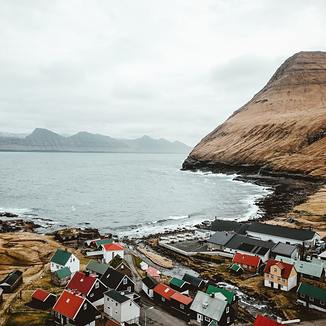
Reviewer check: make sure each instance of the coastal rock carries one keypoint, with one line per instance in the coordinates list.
(280, 130)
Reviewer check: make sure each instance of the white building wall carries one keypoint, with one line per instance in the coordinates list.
(130, 312)
(109, 255)
(148, 291)
(111, 309)
(73, 264)
(292, 282)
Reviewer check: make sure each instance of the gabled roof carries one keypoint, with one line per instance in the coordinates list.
(41, 295)
(236, 268)
(95, 267)
(177, 282)
(281, 231)
(61, 257)
(193, 280)
(304, 267)
(68, 304)
(11, 278)
(63, 273)
(286, 269)
(164, 291)
(228, 294)
(153, 272)
(212, 307)
(265, 321)
(220, 237)
(283, 249)
(244, 259)
(225, 225)
(184, 299)
(149, 282)
(103, 241)
(113, 247)
(112, 278)
(312, 291)
(116, 296)
(81, 283)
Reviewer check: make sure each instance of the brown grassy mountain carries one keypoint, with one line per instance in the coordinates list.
(282, 128)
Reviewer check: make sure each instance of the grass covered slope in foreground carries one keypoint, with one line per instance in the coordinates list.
(282, 128)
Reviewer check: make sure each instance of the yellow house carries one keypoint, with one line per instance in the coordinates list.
(279, 275)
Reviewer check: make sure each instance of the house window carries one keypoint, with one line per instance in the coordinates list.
(322, 303)
(275, 270)
(228, 320)
(125, 281)
(97, 285)
(163, 299)
(182, 306)
(85, 306)
(91, 295)
(302, 295)
(311, 299)
(227, 310)
(207, 319)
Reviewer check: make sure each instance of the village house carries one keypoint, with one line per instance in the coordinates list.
(311, 297)
(218, 240)
(61, 277)
(306, 268)
(12, 281)
(153, 273)
(236, 269)
(196, 283)
(112, 250)
(229, 295)
(247, 262)
(100, 242)
(143, 266)
(89, 287)
(115, 280)
(247, 245)
(277, 233)
(64, 258)
(179, 285)
(148, 285)
(181, 303)
(280, 275)
(42, 299)
(209, 309)
(285, 250)
(163, 293)
(74, 309)
(121, 308)
(122, 268)
(95, 268)
(229, 226)
(265, 321)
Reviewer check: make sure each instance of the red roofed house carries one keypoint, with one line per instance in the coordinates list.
(89, 287)
(153, 273)
(264, 321)
(74, 309)
(42, 299)
(280, 275)
(163, 293)
(247, 262)
(110, 250)
(181, 303)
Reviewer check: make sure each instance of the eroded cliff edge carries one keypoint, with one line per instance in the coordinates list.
(282, 129)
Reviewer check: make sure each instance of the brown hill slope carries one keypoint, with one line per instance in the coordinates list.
(282, 128)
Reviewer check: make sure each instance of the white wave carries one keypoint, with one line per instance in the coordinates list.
(177, 217)
(18, 211)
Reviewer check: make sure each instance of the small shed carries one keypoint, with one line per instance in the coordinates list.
(153, 273)
(61, 277)
(12, 281)
(42, 299)
(236, 269)
(179, 285)
(181, 303)
(148, 284)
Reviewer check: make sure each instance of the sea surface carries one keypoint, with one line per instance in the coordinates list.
(128, 194)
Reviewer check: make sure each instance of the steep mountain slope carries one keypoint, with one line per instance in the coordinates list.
(282, 128)
(47, 140)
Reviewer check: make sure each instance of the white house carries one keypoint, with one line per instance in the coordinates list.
(121, 308)
(148, 284)
(63, 258)
(276, 233)
(111, 250)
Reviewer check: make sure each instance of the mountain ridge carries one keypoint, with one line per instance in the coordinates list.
(42, 139)
(281, 129)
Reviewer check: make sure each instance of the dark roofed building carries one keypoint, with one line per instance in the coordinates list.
(196, 283)
(148, 284)
(312, 297)
(117, 281)
(277, 233)
(245, 244)
(12, 281)
(42, 299)
(285, 250)
(94, 267)
(229, 226)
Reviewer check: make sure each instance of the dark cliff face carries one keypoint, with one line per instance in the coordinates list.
(282, 128)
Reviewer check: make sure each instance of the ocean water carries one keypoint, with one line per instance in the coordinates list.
(128, 194)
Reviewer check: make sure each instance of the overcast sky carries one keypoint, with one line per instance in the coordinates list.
(166, 68)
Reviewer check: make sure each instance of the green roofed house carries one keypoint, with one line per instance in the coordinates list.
(94, 267)
(64, 258)
(179, 285)
(99, 243)
(230, 296)
(61, 277)
(311, 297)
(236, 269)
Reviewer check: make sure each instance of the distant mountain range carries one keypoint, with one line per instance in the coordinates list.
(47, 140)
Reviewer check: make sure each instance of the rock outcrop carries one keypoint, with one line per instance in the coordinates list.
(281, 129)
